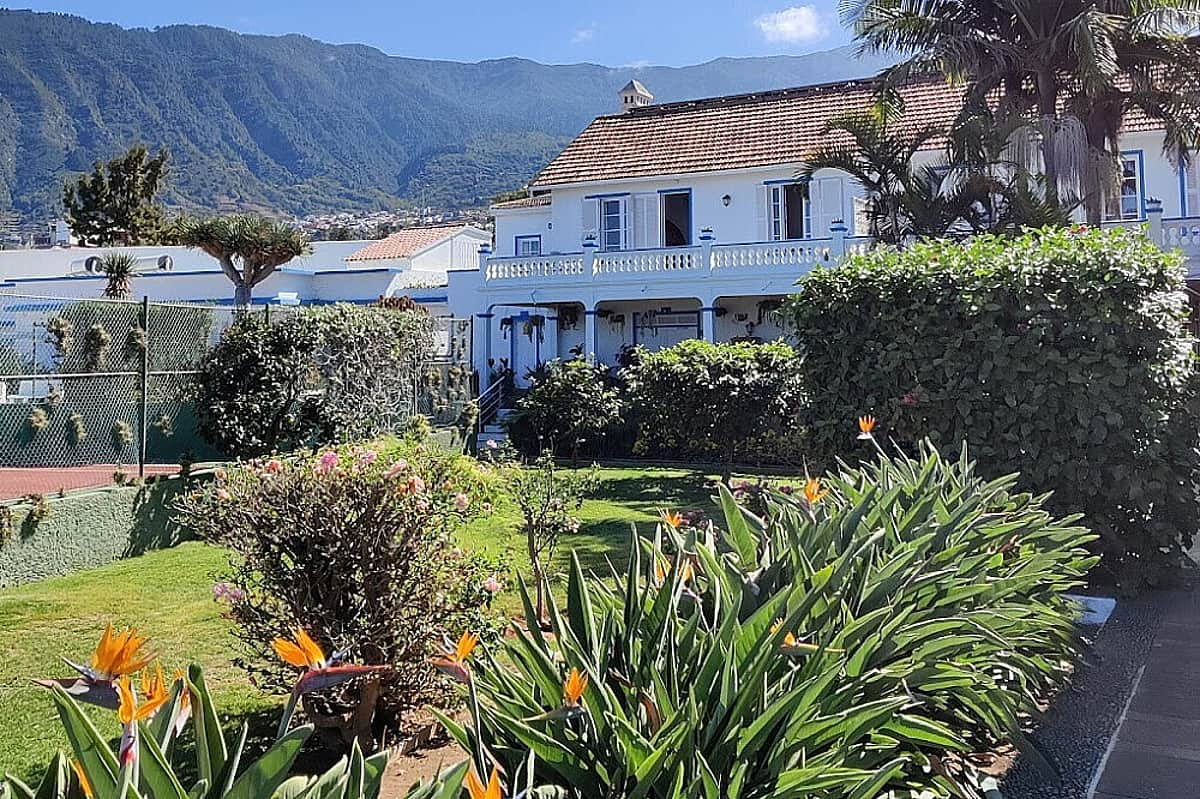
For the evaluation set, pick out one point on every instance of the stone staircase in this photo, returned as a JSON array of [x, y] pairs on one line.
[[494, 430]]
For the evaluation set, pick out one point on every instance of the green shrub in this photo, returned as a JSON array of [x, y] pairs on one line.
[[860, 641], [721, 400], [354, 545], [1059, 355], [569, 405], [319, 375]]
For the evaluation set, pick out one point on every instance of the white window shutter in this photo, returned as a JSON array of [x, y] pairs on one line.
[[626, 223], [764, 213], [591, 220], [826, 198], [1192, 180], [645, 221]]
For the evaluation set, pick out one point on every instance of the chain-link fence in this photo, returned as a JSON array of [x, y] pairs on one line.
[[98, 381]]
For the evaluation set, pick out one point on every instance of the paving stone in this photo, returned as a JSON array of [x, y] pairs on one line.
[[1146, 775], [1147, 730]]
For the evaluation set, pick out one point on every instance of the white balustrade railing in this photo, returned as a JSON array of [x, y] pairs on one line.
[[631, 262], [773, 254], [535, 266], [1181, 234]]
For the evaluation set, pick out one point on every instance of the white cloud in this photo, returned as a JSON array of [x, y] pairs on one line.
[[792, 25], [584, 35]]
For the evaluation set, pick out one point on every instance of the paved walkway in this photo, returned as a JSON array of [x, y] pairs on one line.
[[1156, 750]]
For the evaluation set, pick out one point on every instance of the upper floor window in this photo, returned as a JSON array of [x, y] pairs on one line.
[[795, 211], [528, 245], [677, 219], [1127, 202], [1191, 188], [613, 219]]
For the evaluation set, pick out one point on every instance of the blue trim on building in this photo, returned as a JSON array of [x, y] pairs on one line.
[[1183, 192], [528, 237], [610, 196], [782, 181]]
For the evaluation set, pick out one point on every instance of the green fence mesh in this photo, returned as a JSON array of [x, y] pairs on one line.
[[97, 381]]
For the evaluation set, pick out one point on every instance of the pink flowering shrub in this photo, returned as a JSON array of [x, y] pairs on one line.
[[354, 545]]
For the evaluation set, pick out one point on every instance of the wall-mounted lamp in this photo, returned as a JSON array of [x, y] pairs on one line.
[[726, 200]]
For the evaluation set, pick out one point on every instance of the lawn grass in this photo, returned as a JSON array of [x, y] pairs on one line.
[[168, 596]]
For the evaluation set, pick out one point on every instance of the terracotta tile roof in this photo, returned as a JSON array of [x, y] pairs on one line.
[[772, 128], [405, 243], [524, 202]]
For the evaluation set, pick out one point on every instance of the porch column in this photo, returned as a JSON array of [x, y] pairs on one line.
[[482, 336], [708, 322], [589, 333], [1154, 216]]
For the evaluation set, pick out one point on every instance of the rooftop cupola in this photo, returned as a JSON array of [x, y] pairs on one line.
[[635, 95]]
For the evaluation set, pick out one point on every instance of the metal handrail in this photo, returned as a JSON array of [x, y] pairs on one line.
[[490, 402]]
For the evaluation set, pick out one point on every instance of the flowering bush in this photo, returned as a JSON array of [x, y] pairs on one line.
[[884, 630], [1060, 355], [354, 545]]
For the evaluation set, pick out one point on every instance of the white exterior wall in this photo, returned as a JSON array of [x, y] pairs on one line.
[[513, 222]]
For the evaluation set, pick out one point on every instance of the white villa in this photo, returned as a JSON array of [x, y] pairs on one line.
[[665, 222]]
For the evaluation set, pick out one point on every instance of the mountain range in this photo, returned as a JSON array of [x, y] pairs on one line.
[[290, 124]]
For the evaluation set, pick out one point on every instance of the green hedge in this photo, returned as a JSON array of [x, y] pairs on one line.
[[88, 529], [1060, 355]]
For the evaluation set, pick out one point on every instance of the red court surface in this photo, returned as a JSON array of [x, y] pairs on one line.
[[19, 482]]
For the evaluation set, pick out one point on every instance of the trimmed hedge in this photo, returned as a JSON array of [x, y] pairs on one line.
[[1060, 355], [88, 529], [729, 401]]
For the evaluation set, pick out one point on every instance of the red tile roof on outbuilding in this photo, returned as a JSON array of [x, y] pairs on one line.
[[405, 243], [773, 128]]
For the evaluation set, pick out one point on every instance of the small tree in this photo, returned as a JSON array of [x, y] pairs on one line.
[[698, 398], [569, 404], [120, 269], [548, 498], [248, 248], [115, 204]]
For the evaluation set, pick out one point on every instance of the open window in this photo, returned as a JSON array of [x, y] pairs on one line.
[[1128, 203], [677, 219]]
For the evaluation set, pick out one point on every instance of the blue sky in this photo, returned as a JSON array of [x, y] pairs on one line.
[[613, 32]]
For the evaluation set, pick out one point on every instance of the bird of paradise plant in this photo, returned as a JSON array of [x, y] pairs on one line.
[[318, 672], [866, 427], [116, 655], [477, 790], [453, 661]]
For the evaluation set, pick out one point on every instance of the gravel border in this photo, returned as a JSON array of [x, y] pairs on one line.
[[1075, 732]]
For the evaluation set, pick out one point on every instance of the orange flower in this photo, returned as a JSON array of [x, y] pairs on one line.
[[129, 711], [84, 784], [662, 571], [154, 685], [866, 427], [574, 687], [672, 519], [303, 652], [453, 662], [477, 790], [813, 491], [118, 655], [775, 627]]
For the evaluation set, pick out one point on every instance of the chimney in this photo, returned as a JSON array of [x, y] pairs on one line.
[[634, 95]]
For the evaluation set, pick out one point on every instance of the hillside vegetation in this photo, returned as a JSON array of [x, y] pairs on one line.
[[293, 124]]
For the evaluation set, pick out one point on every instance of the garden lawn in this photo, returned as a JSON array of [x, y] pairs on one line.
[[168, 596]]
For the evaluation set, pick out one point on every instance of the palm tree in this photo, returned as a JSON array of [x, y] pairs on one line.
[[120, 268], [880, 160], [249, 248], [1076, 68]]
